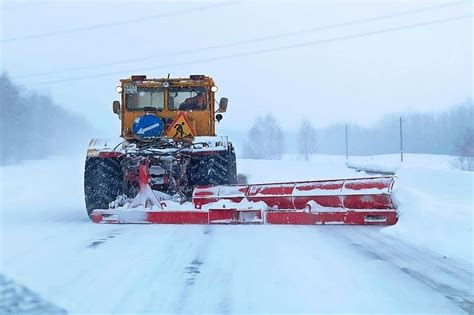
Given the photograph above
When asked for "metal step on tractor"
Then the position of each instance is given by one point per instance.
(169, 167)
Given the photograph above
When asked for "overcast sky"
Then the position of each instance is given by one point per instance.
(330, 61)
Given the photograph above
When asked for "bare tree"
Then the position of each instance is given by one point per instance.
(265, 140)
(306, 139)
(465, 151)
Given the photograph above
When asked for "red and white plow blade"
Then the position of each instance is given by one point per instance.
(343, 201)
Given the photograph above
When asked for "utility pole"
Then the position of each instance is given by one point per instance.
(401, 140)
(347, 144)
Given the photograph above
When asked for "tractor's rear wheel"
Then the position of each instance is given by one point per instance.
(232, 176)
(217, 168)
(103, 179)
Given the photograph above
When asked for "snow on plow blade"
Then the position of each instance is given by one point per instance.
(358, 193)
(341, 201)
(362, 201)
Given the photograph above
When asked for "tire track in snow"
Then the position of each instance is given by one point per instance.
(194, 269)
(458, 297)
(442, 274)
(110, 235)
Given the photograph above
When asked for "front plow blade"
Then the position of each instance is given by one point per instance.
(357, 193)
(359, 201)
(362, 201)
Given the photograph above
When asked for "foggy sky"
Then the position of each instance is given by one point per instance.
(357, 79)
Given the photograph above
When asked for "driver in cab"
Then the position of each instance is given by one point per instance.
(199, 101)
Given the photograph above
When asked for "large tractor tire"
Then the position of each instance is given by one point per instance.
(103, 179)
(232, 177)
(218, 168)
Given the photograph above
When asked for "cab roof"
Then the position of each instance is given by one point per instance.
(192, 80)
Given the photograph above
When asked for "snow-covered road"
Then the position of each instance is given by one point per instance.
(49, 245)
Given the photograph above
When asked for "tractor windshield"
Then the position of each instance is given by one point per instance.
(188, 98)
(145, 98)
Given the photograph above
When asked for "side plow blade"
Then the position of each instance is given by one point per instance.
(360, 201)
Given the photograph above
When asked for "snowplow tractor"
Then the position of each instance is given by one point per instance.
(170, 167)
(170, 125)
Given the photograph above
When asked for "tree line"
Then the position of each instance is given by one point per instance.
(33, 126)
(434, 133)
(448, 132)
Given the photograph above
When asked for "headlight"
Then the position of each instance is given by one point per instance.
(119, 89)
(214, 88)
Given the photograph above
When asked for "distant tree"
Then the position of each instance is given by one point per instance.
(306, 139)
(465, 151)
(265, 140)
(13, 111)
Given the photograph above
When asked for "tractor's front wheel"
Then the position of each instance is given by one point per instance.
(103, 179)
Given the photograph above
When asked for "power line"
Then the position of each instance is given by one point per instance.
(11, 6)
(262, 51)
(250, 41)
(110, 24)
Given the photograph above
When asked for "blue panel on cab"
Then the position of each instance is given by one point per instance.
(148, 126)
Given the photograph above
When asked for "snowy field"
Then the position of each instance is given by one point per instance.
(424, 264)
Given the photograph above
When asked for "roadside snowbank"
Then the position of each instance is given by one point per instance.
(435, 203)
(380, 168)
(436, 210)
